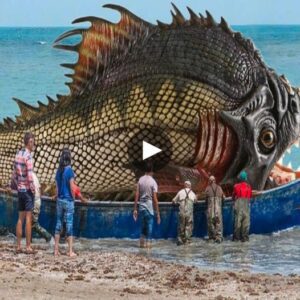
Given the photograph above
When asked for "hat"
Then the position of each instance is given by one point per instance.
(187, 182)
(243, 176)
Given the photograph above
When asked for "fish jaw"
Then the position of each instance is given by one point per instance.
(216, 144)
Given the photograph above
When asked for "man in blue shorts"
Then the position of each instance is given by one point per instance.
(146, 195)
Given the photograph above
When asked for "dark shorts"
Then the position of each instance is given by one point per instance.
(146, 223)
(26, 201)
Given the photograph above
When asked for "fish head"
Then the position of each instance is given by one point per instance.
(266, 125)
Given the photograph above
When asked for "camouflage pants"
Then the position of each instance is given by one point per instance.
(35, 223)
(185, 228)
(214, 218)
(241, 219)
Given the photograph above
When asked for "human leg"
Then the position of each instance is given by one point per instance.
(219, 221)
(19, 231)
(69, 205)
(210, 219)
(246, 222)
(59, 220)
(149, 229)
(237, 220)
(189, 227)
(143, 228)
(181, 229)
(28, 216)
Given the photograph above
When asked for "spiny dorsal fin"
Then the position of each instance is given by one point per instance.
(178, 18)
(104, 40)
(51, 103)
(9, 123)
(287, 84)
(27, 111)
(97, 45)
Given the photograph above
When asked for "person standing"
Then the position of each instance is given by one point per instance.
(186, 198)
(23, 168)
(146, 195)
(36, 211)
(65, 201)
(214, 200)
(242, 193)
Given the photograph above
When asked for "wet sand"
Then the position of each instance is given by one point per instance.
(119, 275)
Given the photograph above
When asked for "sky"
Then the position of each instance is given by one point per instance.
(62, 12)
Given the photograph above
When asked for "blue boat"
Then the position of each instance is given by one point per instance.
(271, 211)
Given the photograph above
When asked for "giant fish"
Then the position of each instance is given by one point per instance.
(194, 87)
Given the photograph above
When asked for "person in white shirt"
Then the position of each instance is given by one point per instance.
(186, 198)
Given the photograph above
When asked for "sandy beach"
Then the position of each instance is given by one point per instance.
(120, 275)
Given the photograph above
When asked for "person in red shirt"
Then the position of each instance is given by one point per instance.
(242, 193)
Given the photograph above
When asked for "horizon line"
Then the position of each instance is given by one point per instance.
(59, 26)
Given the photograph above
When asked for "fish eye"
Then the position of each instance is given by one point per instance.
(267, 140)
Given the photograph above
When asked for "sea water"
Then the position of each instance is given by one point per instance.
(277, 253)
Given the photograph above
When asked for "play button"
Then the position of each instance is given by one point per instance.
(149, 150)
(150, 144)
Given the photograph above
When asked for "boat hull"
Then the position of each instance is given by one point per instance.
(271, 211)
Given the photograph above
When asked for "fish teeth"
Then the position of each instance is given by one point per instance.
(280, 161)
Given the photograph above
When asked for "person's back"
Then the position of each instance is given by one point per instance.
(146, 195)
(23, 171)
(214, 190)
(65, 201)
(214, 198)
(242, 193)
(147, 187)
(62, 179)
(185, 198)
(242, 190)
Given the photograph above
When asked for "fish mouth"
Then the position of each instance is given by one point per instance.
(285, 169)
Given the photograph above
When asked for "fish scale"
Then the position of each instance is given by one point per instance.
(193, 80)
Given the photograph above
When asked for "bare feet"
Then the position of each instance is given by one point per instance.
(56, 253)
(72, 254)
(19, 250)
(29, 250)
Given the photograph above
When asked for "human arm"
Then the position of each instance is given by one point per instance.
(156, 207)
(29, 167)
(72, 187)
(175, 199)
(234, 193)
(136, 199)
(255, 193)
(83, 199)
(54, 198)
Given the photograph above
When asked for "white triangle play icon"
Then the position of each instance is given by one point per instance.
(149, 150)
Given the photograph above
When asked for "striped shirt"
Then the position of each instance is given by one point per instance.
(23, 170)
